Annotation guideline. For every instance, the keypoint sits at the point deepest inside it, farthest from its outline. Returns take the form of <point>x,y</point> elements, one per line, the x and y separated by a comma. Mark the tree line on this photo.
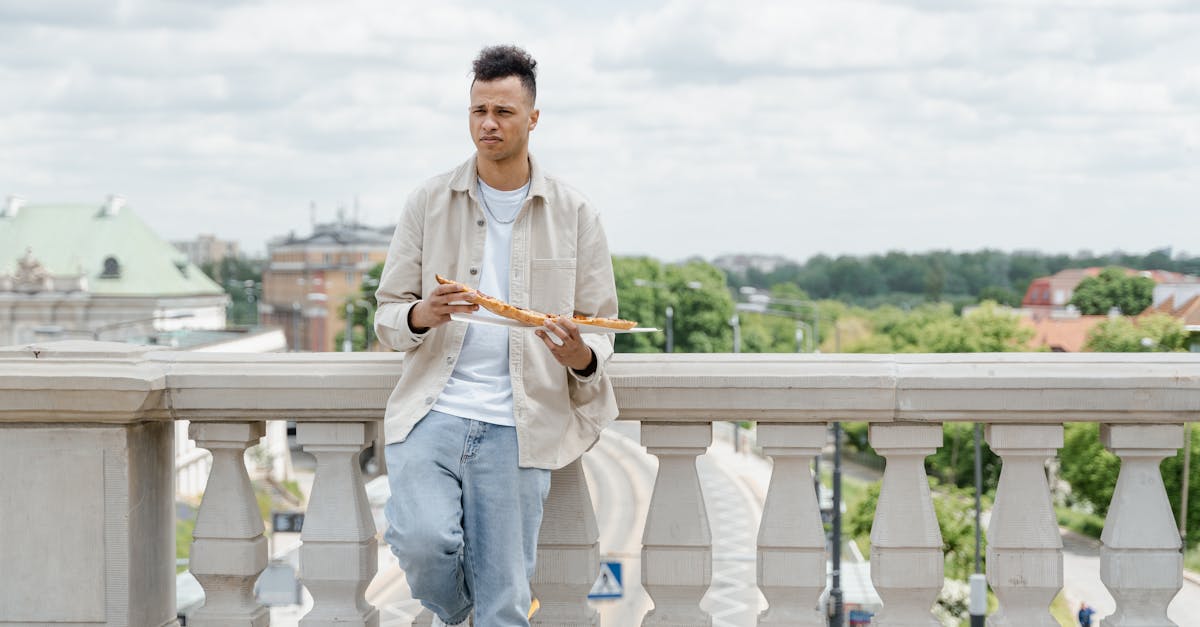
<point>901,278</point>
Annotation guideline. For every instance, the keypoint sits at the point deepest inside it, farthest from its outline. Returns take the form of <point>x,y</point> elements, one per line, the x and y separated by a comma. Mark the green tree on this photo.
<point>696,291</point>
<point>1092,472</point>
<point>1112,288</point>
<point>639,299</point>
<point>363,325</point>
<point>241,279</point>
<point>1157,332</point>
<point>1000,295</point>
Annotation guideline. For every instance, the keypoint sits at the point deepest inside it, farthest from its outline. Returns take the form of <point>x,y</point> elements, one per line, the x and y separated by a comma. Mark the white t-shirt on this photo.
<point>480,387</point>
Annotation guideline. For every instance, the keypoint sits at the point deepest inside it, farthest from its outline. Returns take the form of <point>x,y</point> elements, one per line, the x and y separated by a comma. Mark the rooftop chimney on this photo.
<point>113,205</point>
<point>12,206</point>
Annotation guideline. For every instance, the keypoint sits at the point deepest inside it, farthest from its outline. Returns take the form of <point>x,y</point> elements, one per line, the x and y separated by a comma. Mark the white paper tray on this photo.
<point>476,318</point>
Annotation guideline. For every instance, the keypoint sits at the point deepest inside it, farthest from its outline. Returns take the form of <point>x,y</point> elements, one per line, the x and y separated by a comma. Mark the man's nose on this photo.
<point>489,122</point>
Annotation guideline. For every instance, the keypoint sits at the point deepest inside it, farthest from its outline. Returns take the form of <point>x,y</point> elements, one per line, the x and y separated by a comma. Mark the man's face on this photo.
<point>501,116</point>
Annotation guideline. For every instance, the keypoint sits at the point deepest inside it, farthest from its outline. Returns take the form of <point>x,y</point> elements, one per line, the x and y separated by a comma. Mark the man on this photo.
<point>1085,615</point>
<point>483,413</point>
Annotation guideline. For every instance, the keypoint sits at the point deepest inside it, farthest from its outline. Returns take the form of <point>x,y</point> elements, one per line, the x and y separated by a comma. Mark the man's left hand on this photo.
<point>573,353</point>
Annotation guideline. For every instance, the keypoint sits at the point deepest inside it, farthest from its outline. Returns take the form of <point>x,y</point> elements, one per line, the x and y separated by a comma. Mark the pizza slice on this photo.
<point>527,316</point>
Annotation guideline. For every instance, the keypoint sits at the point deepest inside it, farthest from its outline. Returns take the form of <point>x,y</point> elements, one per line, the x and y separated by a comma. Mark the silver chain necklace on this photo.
<point>483,199</point>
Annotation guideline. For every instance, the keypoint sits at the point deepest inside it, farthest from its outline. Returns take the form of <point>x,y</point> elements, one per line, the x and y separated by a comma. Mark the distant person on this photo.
<point>1085,615</point>
<point>482,414</point>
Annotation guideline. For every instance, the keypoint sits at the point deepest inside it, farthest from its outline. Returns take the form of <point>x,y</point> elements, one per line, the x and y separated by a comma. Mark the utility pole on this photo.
<point>347,339</point>
<point>977,602</point>
<point>1187,472</point>
<point>836,610</point>
<point>670,329</point>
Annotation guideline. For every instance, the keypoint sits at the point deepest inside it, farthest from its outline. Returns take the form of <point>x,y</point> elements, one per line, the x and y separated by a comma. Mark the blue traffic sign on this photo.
<point>608,583</point>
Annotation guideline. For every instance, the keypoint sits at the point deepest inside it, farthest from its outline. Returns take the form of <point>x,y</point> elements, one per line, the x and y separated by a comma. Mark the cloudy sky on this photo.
<point>698,127</point>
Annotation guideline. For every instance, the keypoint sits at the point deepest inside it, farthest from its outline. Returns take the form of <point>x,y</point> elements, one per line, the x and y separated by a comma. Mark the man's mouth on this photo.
<point>490,140</point>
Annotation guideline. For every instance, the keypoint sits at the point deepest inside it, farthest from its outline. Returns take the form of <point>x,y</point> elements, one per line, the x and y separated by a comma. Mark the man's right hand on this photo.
<point>435,310</point>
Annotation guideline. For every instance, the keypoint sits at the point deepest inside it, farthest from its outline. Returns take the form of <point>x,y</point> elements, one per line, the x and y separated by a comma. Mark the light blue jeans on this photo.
<point>463,519</point>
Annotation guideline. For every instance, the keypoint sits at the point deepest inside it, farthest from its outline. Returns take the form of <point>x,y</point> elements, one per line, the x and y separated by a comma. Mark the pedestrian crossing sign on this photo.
<point>608,584</point>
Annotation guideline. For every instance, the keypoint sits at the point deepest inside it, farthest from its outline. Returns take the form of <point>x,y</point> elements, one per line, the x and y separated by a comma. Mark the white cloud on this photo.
<point>698,127</point>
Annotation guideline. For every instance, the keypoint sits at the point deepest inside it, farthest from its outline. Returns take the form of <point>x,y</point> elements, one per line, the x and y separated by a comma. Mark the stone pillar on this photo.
<point>1140,562</point>
<point>229,550</point>
<point>1024,554</point>
<point>87,532</point>
<point>906,544</point>
<point>676,545</point>
<point>791,538</point>
<point>338,557</point>
<point>568,552</point>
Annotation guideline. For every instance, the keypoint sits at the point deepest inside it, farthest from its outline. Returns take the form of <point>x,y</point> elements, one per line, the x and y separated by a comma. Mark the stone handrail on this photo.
<point>85,453</point>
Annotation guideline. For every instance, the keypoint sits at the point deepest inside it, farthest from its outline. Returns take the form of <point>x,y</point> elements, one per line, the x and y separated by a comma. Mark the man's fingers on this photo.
<point>552,341</point>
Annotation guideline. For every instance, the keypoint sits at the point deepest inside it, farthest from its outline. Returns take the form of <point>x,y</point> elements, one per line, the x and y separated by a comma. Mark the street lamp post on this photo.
<point>977,606</point>
<point>670,326</point>
<point>670,348</point>
<point>837,610</point>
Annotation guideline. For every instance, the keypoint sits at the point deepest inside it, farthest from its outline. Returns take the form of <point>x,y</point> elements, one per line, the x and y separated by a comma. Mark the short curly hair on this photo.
<point>497,62</point>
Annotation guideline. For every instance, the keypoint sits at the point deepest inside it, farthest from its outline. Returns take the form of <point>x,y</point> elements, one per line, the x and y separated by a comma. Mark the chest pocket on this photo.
<point>552,286</point>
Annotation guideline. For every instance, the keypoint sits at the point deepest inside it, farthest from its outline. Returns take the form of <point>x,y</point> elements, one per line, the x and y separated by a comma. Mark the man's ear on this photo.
<point>533,119</point>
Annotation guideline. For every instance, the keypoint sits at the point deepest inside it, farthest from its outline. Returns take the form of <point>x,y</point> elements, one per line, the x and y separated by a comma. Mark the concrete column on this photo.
<point>568,552</point>
<point>906,544</point>
<point>1024,554</point>
<point>338,557</point>
<point>676,545</point>
<point>791,538</point>
<point>1140,562</point>
<point>229,550</point>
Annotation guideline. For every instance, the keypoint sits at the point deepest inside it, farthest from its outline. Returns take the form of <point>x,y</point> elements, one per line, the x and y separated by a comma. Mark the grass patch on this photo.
<point>1083,523</point>
<point>1062,613</point>
<point>183,541</point>
<point>1191,559</point>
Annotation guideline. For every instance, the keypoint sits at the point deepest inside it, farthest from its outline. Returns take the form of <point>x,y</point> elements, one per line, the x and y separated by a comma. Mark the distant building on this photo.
<point>308,279</point>
<point>95,272</point>
<point>1065,332</point>
<point>739,264</point>
<point>207,249</point>
<point>1180,300</point>
<point>1054,292</point>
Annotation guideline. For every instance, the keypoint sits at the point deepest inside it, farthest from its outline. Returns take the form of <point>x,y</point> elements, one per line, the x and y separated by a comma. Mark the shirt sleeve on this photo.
<point>400,284</point>
<point>595,291</point>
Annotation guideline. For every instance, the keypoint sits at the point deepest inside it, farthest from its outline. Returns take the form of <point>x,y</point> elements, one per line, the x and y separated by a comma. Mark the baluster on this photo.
<point>791,539</point>
<point>1024,554</point>
<point>568,552</point>
<point>229,549</point>
<point>676,545</point>
<point>906,544</point>
<point>338,557</point>
<point>1140,562</point>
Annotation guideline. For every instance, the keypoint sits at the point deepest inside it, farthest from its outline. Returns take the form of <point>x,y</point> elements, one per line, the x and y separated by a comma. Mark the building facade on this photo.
<point>96,272</point>
<point>207,248</point>
<point>308,280</point>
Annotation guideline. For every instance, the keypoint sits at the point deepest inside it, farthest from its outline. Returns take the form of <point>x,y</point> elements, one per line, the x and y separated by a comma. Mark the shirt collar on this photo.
<point>466,174</point>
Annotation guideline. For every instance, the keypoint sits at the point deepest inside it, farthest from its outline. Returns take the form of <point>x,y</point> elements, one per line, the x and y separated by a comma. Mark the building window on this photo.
<point>112,268</point>
<point>349,278</point>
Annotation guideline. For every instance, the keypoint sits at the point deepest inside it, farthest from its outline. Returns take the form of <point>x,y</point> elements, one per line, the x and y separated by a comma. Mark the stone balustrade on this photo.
<point>86,486</point>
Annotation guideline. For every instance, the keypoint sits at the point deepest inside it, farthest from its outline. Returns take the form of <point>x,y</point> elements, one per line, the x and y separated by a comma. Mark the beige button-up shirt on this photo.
<point>560,264</point>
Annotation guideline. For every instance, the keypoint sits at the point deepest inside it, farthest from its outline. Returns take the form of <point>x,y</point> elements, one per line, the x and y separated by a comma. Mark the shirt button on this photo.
<point>480,222</point>
<point>428,400</point>
<point>449,360</point>
<point>474,271</point>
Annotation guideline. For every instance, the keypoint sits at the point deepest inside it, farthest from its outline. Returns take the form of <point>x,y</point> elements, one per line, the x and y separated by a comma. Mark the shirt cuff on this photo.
<point>391,326</point>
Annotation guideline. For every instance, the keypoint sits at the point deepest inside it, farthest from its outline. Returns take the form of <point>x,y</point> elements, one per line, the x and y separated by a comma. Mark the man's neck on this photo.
<point>505,175</point>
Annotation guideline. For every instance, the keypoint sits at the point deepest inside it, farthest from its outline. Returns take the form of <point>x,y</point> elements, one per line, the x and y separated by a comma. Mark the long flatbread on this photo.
<point>527,316</point>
